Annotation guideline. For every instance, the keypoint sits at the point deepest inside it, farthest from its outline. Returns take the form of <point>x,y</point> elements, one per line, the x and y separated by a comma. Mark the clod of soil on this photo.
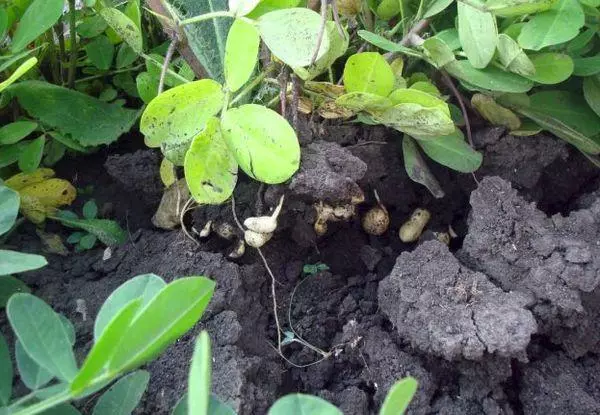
<point>448,310</point>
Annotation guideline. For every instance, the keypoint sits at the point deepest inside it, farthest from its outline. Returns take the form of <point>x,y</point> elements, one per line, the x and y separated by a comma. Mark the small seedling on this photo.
<point>314,269</point>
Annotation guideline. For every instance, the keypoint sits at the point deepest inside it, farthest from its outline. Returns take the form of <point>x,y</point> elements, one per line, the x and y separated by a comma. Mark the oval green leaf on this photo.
<point>478,34</point>
<point>40,16</point>
<point>490,78</point>
<point>6,372</point>
<point>368,72</point>
<point>32,375</point>
<point>210,167</point>
<point>16,131</point>
<point>591,93</point>
<point>31,155</point>
<point>298,403</point>
<point>9,208</point>
<point>242,7</point>
<point>147,86</point>
<point>438,51</point>
<point>495,113</point>
<point>399,396</point>
<point>292,35</point>
<point>363,101</point>
<point>13,262</point>
<point>417,120</point>
<point>509,8</point>
<point>172,312</point>
<point>263,143</point>
<point>10,285</point>
<point>568,107</point>
<point>19,72</point>
<point>416,96</point>
<point>587,66</point>
<point>198,397</point>
<point>100,52</point>
<point>338,45</point>
<point>124,27</point>
<point>551,68</point>
<point>435,7</point>
<point>241,54</point>
<point>124,395</point>
<point>512,56</point>
<point>452,151</point>
<point>175,117</point>
<point>417,168</point>
<point>144,287</point>
<point>42,334</point>
<point>557,25</point>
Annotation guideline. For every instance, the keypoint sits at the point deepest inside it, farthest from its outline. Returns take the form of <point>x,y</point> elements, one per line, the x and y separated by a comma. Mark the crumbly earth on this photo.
<point>484,327</point>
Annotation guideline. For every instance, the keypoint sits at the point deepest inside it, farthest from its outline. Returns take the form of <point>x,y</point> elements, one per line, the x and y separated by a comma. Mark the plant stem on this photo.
<point>58,29</point>
<point>169,71</point>
<point>250,86</point>
<point>45,404</point>
<point>165,66</point>
<point>207,16</point>
<point>115,72</point>
<point>73,37</point>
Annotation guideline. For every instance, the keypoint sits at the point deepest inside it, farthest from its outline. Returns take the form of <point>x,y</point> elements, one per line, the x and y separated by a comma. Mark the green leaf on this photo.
<point>172,312</point>
<point>13,262</point>
<point>338,45</point>
<point>399,397</point>
<point>90,209</point>
<point>92,26</point>
<point>435,7</point>
<point>105,347</point>
<point>509,8</point>
<point>292,35</point>
<point>241,54</point>
<point>10,153</point>
<point>242,7</point>
<point>3,23</point>
<point>490,78</point>
<point>210,167</point>
<point>32,375</point>
<point>452,151</point>
<point>107,231</point>
<point>551,68</point>
<point>16,131</point>
<point>449,37</point>
<point>200,377</point>
<point>31,155</point>
<point>495,113</point>
<point>438,52</point>
<point>266,6</point>
<point>42,334</point>
<point>75,237</point>
<point>512,56</point>
<point>568,107</point>
<point>558,25</point>
<point>19,72</point>
<point>147,86</point>
<point>417,120</point>
<point>263,143</point>
<point>39,17</point>
<point>144,287</point>
<point>576,46</point>
<point>87,120</point>
<point>215,406</point>
<point>6,372</point>
<point>87,241</point>
<point>100,52</point>
<point>123,397</point>
<point>478,34</point>
<point>124,27</point>
<point>176,116</point>
<point>587,66</point>
<point>368,72</point>
<point>9,208</point>
<point>10,285</point>
<point>363,101</point>
<point>62,409</point>
<point>416,96</point>
<point>125,56</point>
<point>591,92</point>
<point>386,44</point>
<point>69,327</point>
<point>417,168</point>
<point>298,403</point>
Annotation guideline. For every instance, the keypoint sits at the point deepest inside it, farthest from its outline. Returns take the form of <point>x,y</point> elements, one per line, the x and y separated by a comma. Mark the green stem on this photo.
<point>73,36</point>
<point>169,71</point>
<point>251,85</point>
<point>207,16</point>
<point>46,404</point>
<point>115,72</point>
<point>398,26</point>
<point>419,11</point>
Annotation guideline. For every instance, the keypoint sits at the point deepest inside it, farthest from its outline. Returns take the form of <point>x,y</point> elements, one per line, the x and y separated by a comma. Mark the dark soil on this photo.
<point>506,320</point>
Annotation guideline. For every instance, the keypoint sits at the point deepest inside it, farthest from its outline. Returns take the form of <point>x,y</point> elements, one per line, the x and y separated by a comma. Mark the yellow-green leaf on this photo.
<point>551,68</point>
<point>21,70</point>
<point>363,101</point>
<point>368,72</point>
<point>124,27</point>
<point>210,168</point>
<point>478,34</point>
<point>263,143</point>
<point>241,54</point>
<point>417,120</point>
<point>416,96</point>
<point>512,56</point>
<point>508,8</point>
<point>495,113</point>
